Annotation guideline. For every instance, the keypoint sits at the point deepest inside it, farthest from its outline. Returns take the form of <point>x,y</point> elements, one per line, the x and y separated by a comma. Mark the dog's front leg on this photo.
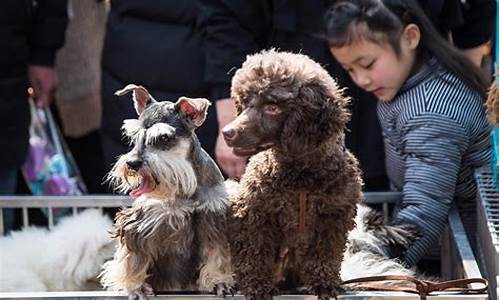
<point>216,272</point>
<point>129,268</point>
<point>321,266</point>
<point>141,293</point>
<point>253,249</point>
<point>126,272</point>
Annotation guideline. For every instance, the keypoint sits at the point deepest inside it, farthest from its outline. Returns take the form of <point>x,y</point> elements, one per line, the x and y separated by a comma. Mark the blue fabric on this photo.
<point>494,161</point>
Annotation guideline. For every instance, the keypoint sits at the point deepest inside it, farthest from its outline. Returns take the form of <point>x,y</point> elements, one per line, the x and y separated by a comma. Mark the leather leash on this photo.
<point>422,287</point>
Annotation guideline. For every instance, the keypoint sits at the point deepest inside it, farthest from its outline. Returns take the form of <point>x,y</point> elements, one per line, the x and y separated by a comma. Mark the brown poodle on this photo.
<point>297,199</point>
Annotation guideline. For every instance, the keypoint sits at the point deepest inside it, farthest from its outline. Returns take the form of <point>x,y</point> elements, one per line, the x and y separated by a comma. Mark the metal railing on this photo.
<point>488,227</point>
<point>52,202</point>
<point>101,201</point>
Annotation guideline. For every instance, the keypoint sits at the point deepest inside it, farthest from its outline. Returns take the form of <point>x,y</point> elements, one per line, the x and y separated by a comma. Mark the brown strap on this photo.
<point>422,287</point>
<point>302,212</point>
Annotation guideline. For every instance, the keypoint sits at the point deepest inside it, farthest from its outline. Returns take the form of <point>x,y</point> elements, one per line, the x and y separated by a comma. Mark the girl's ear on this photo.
<point>411,36</point>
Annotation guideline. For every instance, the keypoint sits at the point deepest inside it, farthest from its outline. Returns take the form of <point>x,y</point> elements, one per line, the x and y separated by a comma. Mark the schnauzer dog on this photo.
<point>172,237</point>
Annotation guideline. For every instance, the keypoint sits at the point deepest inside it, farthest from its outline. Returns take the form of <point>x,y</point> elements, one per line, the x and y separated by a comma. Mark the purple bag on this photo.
<point>49,168</point>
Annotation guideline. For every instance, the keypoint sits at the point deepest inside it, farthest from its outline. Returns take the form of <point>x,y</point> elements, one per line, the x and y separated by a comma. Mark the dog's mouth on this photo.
<point>144,185</point>
<point>240,151</point>
<point>251,150</point>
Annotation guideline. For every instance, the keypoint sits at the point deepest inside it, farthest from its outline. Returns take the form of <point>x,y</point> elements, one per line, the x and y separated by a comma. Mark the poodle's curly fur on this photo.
<point>492,103</point>
<point>274,234</point>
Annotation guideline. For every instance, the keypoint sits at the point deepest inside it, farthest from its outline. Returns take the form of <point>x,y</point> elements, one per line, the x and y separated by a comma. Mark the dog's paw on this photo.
<point>325,293</point>
<point>222,290</point>
<point>137,295</point>
<point>142,292</point>
<point>259,297</point>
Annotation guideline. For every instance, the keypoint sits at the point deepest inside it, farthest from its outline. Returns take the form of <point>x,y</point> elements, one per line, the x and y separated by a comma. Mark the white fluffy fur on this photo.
<point>363,264</point>
<point>157,131</point>
<point>131,127</point>
<point>360,232</point>
<point>67,258</point>
<point>367,263</point>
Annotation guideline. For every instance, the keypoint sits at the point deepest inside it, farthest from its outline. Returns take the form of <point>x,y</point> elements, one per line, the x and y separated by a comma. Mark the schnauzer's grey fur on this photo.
<point>172,237</point>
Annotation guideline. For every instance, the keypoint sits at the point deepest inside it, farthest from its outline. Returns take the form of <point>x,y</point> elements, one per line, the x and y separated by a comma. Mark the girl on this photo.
<point>430,108</point>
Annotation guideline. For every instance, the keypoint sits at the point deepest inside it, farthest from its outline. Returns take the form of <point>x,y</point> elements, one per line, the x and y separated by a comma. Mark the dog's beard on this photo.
<point>121,178</point>
<point>165,174</point>
<point>174,173</point>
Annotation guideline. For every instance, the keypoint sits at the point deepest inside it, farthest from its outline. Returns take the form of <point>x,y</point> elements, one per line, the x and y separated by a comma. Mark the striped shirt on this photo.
<point>435,134</point>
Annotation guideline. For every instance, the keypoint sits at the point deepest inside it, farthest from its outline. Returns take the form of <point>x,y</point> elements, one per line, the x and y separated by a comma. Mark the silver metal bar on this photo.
<point>361,295</point>
<point>488,227</point>
<point>51,217</point>
<point>465,254</point>
<point>382,197</point>
<point>25,216</point>
<point>446,260</point>
<point>65,201</point>
<point>117,201</point>
<point>2,229</point>
<point>385,211</point>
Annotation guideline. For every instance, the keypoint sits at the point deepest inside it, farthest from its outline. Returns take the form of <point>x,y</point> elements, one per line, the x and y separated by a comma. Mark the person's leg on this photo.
<point>8,187</point>
<point>87,151</point>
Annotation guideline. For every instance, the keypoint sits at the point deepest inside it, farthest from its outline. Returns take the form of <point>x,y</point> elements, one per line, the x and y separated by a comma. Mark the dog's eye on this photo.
<point>272,109</point>
<point>163,138</point>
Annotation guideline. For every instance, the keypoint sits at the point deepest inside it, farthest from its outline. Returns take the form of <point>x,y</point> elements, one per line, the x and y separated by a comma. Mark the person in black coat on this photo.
<point>468,23</point>
<point>31,32</point>
<point>154,44</point>
<point>233,29</point>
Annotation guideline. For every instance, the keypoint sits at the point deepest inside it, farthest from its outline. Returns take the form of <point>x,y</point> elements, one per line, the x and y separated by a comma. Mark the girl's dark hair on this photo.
<point>379,21</point>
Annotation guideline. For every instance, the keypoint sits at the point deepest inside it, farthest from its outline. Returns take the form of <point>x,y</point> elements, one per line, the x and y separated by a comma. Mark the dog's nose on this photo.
<point>229,133</point>
<point>134,164</point>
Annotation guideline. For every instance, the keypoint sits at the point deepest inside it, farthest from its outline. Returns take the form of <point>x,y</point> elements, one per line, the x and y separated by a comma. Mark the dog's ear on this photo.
<point>194,110</point>
<point>141,96</point>
<point>320,115</point>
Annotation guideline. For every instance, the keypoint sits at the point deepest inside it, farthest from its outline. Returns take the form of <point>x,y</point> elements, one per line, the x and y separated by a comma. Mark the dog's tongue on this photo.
<point>145,187</point>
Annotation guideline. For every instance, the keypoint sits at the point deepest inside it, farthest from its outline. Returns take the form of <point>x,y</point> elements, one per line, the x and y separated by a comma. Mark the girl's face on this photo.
<point>377,68</point>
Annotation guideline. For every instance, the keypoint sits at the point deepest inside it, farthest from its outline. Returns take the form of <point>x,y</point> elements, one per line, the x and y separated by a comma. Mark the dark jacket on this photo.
<point>478,25</point>
<point>470,22</point>
<point>235,28</point>
<point>30,33</point>
<point>154,44</point>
